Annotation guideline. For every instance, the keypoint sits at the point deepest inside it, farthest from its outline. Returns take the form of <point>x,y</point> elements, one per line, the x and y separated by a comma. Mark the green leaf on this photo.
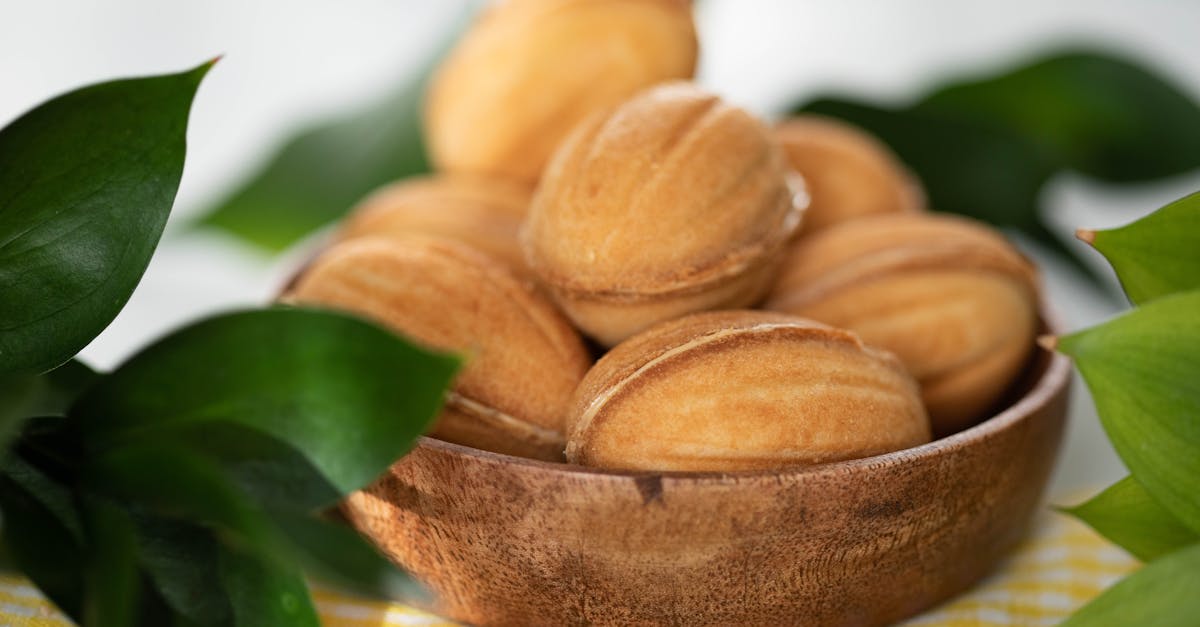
<point>1158,254</point>
<point>271,472</point>
<point>47,552</point>
<point>986,146</point>
<point>59,388</point>
<point>1098,114</point>
<point>86,183</point>
<point>1162,594</point>
<point>318,175</point>
<point>153,611</point>
<point>171,483</point>
<point>1143,370</point>
<point>181,559</point>
<point>52,495</point>
<point>984,171</point>
<point>175,482</point>
<point>257,571</point>
<point>261,593</point>
<point>17,394</point>
<point>350,396</point>
<point>967,167</point>
<point>336,554</point>
<point>1128,516</point>
<point>113,583</point>
<point>49,394</point>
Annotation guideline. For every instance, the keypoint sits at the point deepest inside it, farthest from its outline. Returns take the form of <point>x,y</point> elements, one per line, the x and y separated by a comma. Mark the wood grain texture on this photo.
<point>508,541</point>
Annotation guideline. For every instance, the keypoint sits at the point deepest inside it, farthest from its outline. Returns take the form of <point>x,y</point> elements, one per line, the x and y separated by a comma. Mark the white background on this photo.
<point>288,62</point>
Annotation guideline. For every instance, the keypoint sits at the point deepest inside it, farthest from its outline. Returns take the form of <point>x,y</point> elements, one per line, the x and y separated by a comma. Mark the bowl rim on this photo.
<point>1053,379</point>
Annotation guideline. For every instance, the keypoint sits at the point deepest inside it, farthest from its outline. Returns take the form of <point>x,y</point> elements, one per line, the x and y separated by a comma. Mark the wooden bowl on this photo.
<point>506,541</point>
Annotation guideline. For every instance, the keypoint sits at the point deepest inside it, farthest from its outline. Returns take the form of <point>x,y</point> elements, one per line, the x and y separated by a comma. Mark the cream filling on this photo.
<point>504,422</point>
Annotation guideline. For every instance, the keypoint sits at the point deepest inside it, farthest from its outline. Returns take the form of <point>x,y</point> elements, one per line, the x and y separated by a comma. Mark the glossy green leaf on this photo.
<point>113,582</point>
<point>271,472</point>
<point>58,388</point>
<point>248,574</point>
<point>86,183</point>
<point>47,553</point>
<point>349,395</point>
<point>175,482</point>
<point>55,497</point>
<point>338,555</point>
<point>169,482</point>
<point>1128,516</point>
<point>317,176</point>
<point>1098,114</point>
<point>17,394</point>
<point>48,394</point>
<point>261,593</point>
<point>985,146</point>
<point>181,559</point>
<point>966,167</point>
<point>1143,370</point>
<point>986,172</point>
<point>1162,594</point>
<point>1158,254</point>
<point>153,610</point>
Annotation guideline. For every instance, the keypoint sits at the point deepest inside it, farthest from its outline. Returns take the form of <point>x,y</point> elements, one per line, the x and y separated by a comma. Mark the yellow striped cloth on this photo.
<point>1060,567</point>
